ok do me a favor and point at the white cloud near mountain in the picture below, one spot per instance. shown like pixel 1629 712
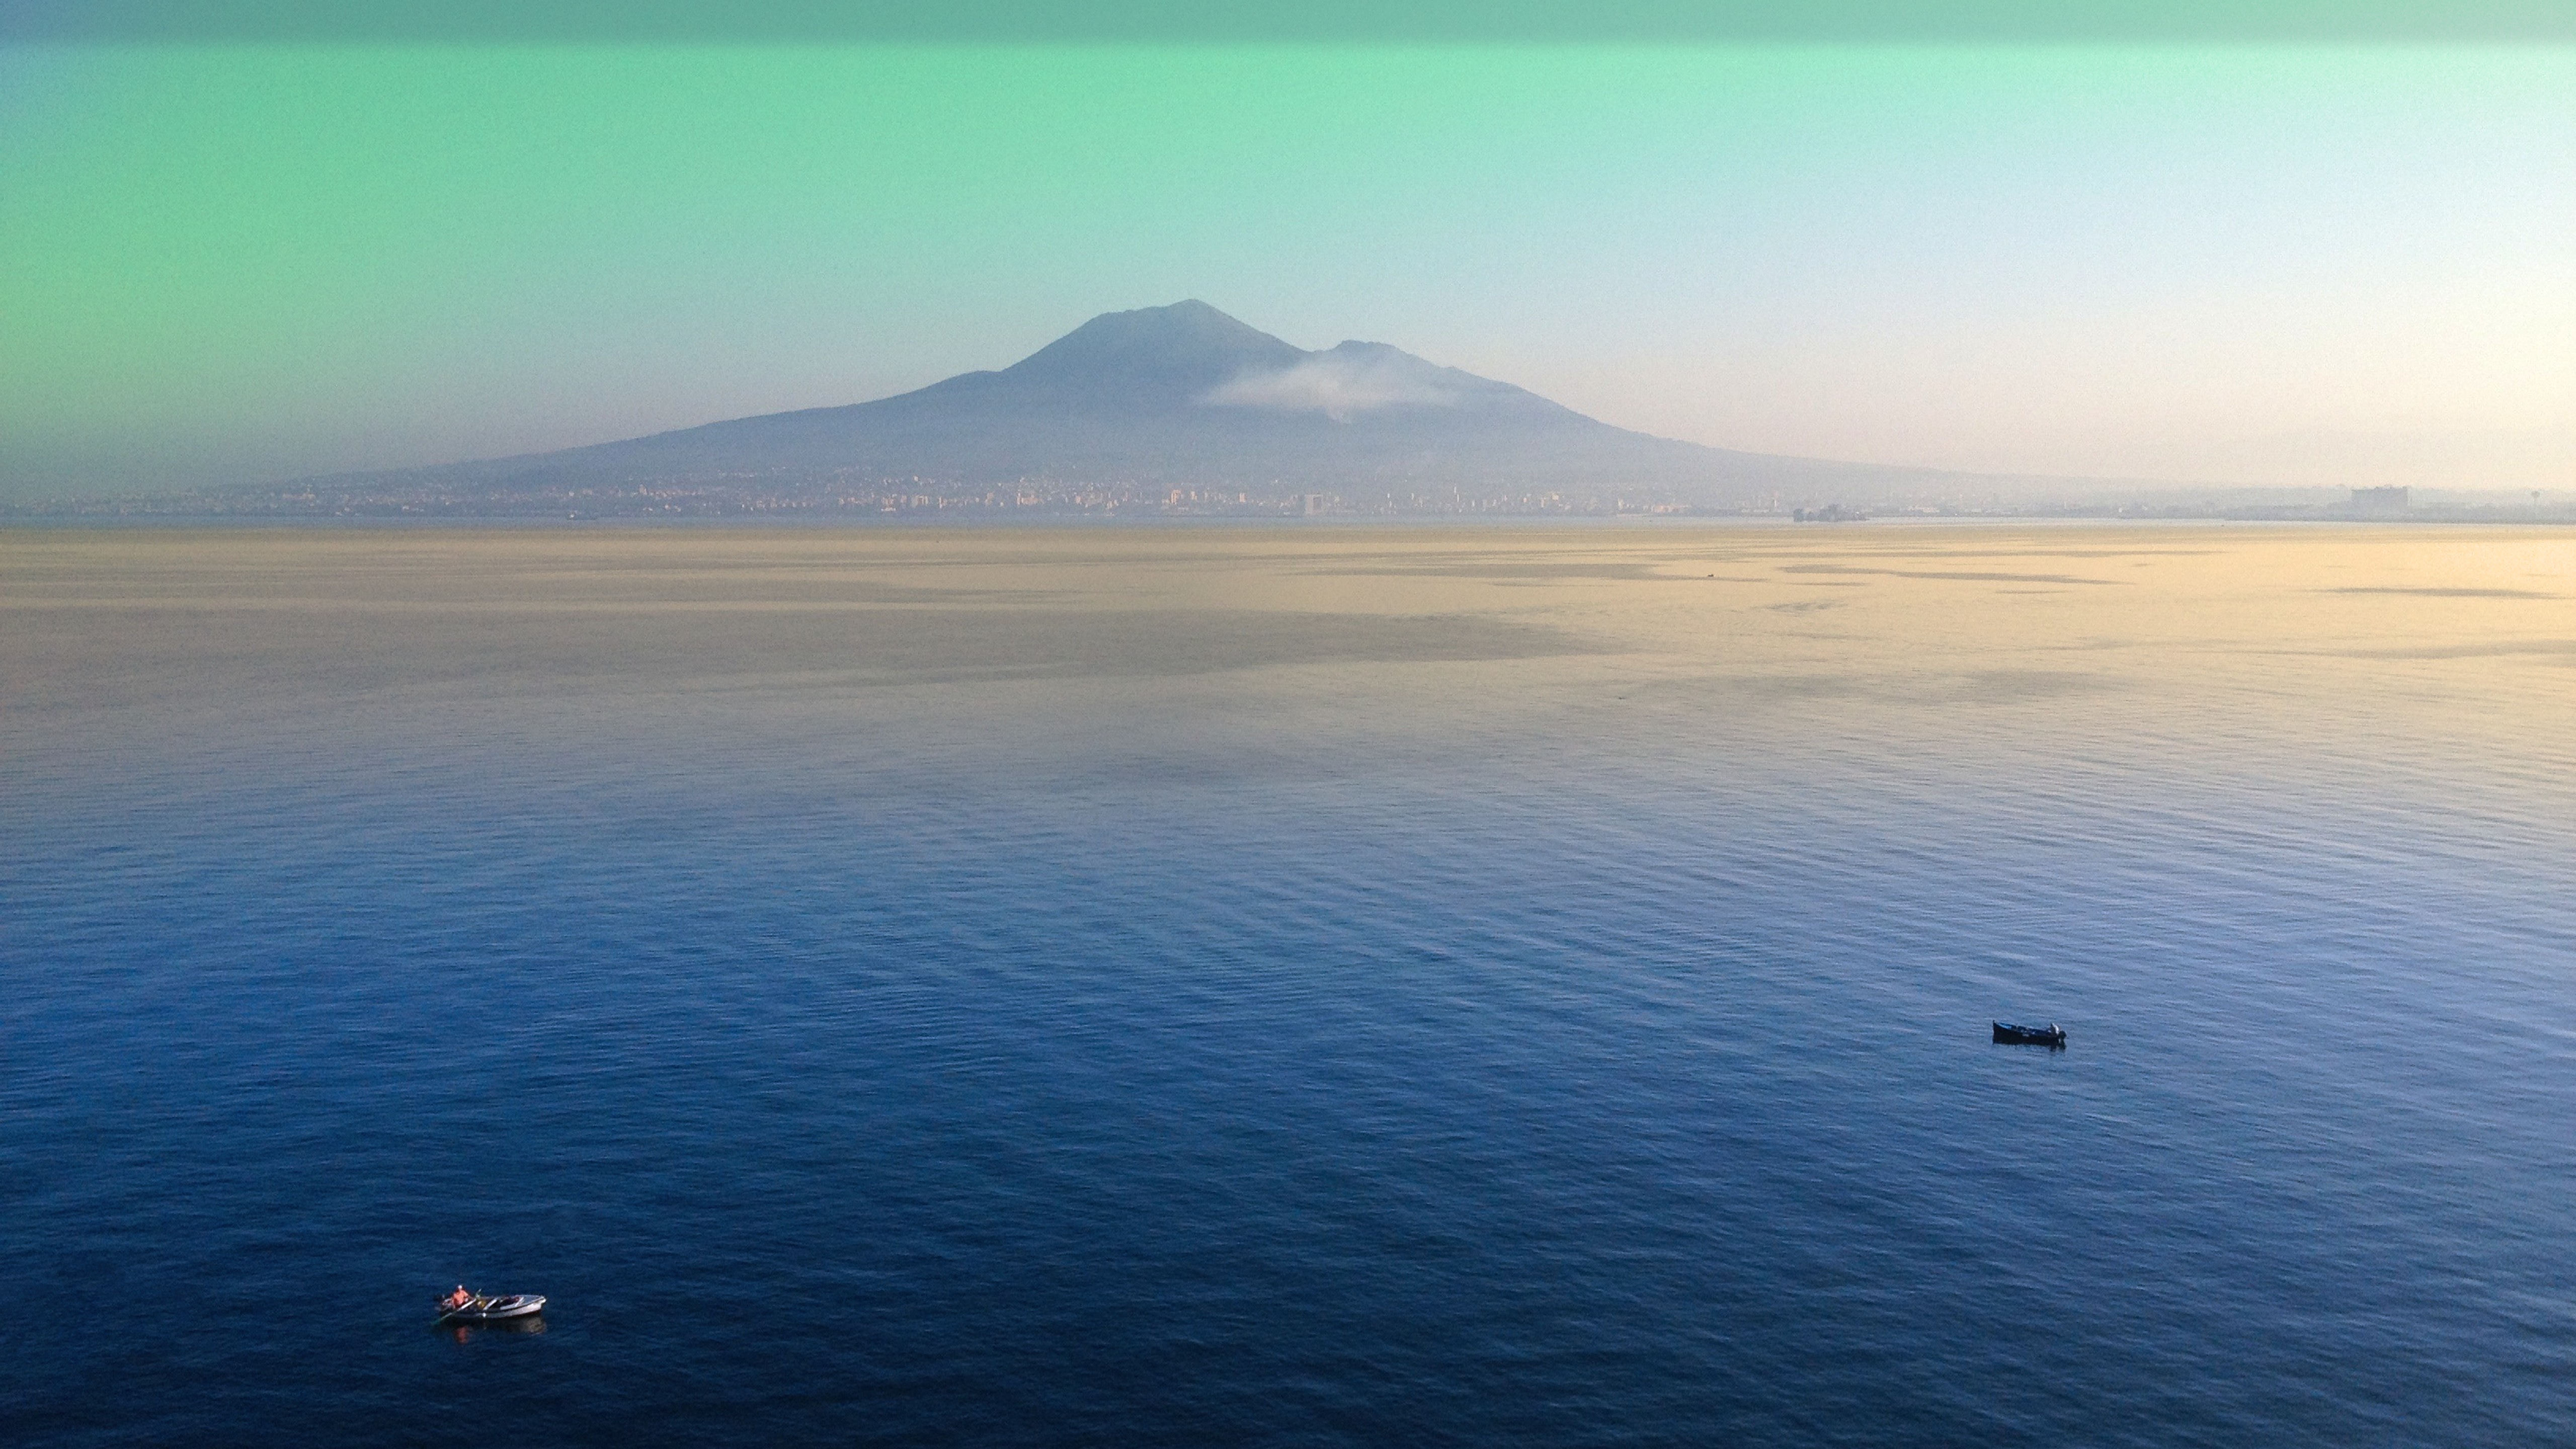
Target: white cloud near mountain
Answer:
pixel 1340 384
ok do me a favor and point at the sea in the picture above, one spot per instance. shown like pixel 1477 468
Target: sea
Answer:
pixel 1303 984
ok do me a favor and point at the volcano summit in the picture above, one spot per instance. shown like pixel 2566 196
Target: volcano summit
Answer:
pixel 1138 407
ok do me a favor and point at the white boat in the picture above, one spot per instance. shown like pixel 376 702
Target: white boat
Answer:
pixel 464 1307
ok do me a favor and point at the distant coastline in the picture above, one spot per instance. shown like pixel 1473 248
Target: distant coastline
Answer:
pixel 1182 411
pixel 360 505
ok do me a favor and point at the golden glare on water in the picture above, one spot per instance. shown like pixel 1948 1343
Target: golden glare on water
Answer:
pixel 1327 627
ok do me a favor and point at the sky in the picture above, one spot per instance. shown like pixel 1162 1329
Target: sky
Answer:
pixel 2294 262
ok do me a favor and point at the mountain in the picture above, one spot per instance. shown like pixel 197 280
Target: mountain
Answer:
pixel 1179 397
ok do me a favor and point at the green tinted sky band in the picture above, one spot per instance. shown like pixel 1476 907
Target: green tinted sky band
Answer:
pixel 700 22
pixel 252 260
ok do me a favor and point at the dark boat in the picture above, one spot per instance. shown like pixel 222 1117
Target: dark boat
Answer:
pixel 463 1307
pixel 2051 1035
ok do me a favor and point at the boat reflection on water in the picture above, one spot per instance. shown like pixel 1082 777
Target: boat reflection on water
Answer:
pixel 465 1333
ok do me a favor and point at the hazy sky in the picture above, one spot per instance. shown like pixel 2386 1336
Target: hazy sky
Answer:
pixel 2307 263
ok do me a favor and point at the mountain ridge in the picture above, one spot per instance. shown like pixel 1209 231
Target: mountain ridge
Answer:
pixel 1153 404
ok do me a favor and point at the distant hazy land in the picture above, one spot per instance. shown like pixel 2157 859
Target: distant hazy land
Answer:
pixel 1183 411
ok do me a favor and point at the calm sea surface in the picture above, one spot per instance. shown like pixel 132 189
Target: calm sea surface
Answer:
pixel 1293 986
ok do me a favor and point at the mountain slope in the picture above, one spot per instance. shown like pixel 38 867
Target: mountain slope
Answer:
pixel 1186 396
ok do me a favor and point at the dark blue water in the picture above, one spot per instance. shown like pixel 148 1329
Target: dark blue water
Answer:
pixel 1049 1083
